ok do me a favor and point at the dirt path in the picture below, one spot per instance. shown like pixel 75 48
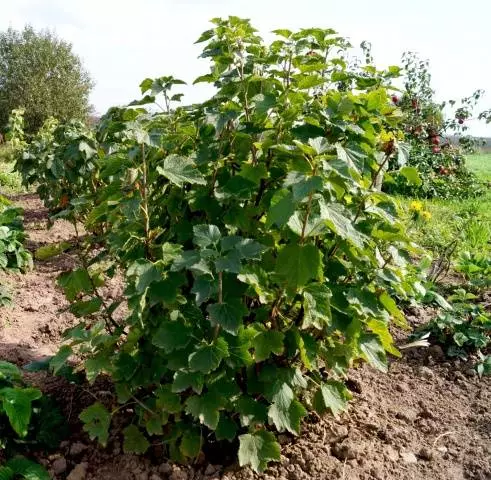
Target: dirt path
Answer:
pixel 427 419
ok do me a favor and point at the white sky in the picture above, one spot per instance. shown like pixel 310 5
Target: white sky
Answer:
pixel 122 42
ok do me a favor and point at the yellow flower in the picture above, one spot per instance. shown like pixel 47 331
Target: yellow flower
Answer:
pixel 416 206
pixel 426 215
pixel 386 137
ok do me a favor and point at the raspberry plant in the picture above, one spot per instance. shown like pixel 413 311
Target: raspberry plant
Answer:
pixel 260 260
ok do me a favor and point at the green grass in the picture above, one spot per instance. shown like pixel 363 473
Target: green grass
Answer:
pixel 466 222
pixel 480 164
pixel 10 181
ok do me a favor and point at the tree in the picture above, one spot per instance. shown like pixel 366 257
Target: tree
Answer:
pixel 40 73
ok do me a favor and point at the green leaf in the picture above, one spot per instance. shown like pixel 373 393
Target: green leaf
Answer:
pixel 283 32
pixel 258 449
pixel 6 473
pixel 230 262
pixel 180 170
pixel 354 159
pixel 331 395
pixel 305 187
pixel 52 250
pixel 264 102
pixel 27 469
pixel 320 145
pixel 167 400
pixel 74 283
pixel 227 315
pixel 208 357
pixel 309 81
pixel 204 408
pixel 184 380
pixel 299 263
pixel 96 421
pixel 144 273
pixel 317 306
pixel 391 306
pixel 338 221
pixel 59 360
pixel 9 372
pixel 17 404
pixel 286 412
pixel 97 364
pixel 281 209
pixel 191 443
pixel 381 329
pixel 172 336
pixel 377 99
pixel 85 308
pixel 268 342
pixel 460 339
pixel 153 424
pixel 125 367
pixel 373 351
pixel 226 429
pixel 205 235
pixel 412 175
pixel 250 249
pixel 251 411
pixel 134 440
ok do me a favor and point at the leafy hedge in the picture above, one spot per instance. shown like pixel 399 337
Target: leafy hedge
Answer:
pixel 260 261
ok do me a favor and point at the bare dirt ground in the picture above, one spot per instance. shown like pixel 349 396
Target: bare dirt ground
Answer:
pixel 428 418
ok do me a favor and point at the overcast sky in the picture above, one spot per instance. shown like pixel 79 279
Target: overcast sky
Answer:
pixel 122 42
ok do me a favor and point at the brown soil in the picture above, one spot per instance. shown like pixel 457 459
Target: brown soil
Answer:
pixel 426 419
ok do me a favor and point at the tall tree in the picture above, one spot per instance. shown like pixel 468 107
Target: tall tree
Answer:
pixel 40 73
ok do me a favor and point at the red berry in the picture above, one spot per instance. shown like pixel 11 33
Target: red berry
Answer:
pixel 435 140
pixel 395 99
pixel 436 149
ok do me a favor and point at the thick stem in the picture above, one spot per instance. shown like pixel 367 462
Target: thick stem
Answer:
pixel 220 300
pixel 309 210
pixel 220 287
pixel 306 219
pixel 247 110
pixel 144 206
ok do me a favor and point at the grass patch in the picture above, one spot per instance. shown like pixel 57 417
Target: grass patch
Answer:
pixel 10 181
pixel 466 222
pixel 480 164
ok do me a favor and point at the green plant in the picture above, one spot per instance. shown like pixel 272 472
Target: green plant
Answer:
pixel 5 296
pixel 20 467
pixel 483 365
pixel 60 161
pixel 26 416
pixel 260 260
pixel 477 269
pixel 463 329
pixel 13 255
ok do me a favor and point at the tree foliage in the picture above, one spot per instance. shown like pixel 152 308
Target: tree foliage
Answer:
pixel 41 74
pixel 260 260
